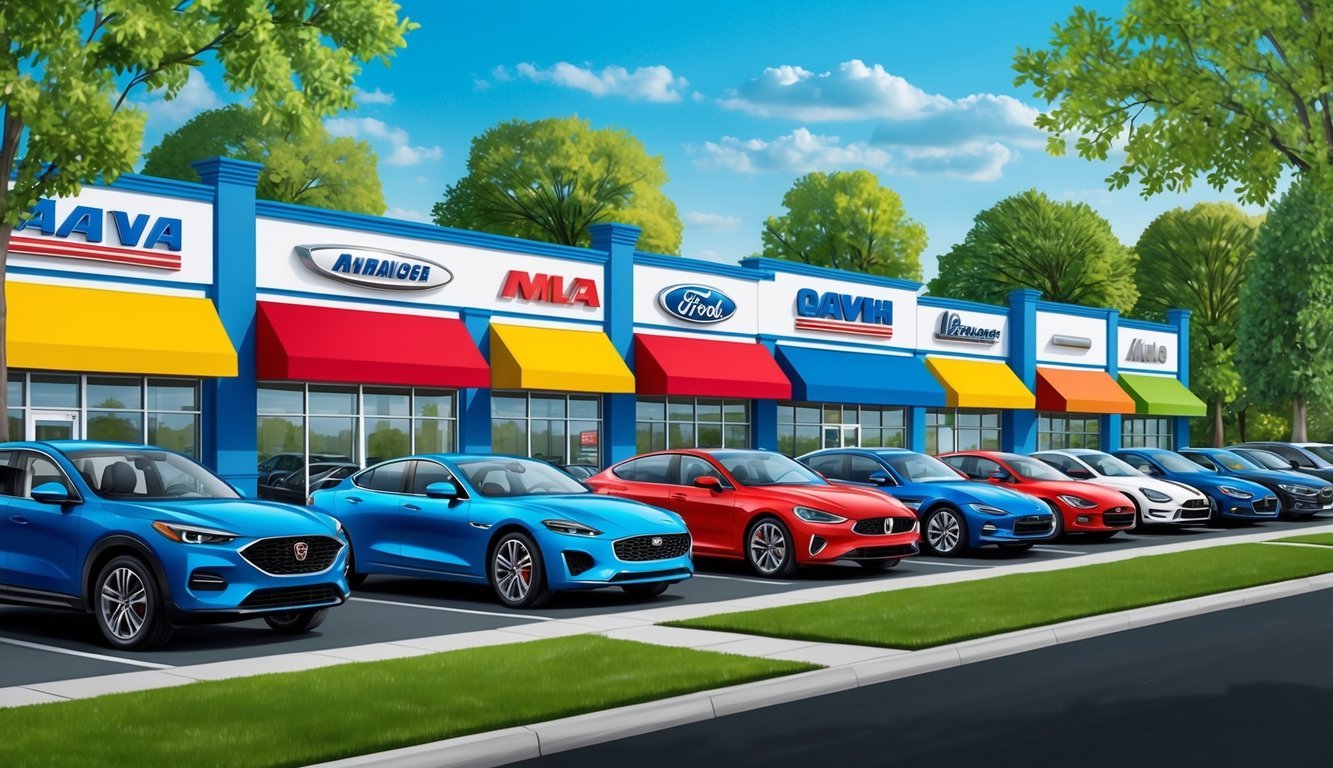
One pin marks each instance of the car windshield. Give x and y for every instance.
(1174, 462)
(1324, 452)
(517, 477)
(1266, 459)
(1109, 466)
(147, 475)
(920, 468)
(1233, 461)
(757, 468)
(1034, 469)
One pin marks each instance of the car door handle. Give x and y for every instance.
(20, 519)
(412, 507)
(678, 497)
(353, 500)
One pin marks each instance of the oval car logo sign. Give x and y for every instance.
(374, 267)
(696, 303)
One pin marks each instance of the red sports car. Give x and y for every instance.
(766, 508)
(1080, 507)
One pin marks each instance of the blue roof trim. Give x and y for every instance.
(797, 268)
(940, 302)
(831, 376)
(1078, 310)
(699, 265)
(352, 302)
(419, 231)
(152, 185)
(1145, 325)
(117, 279)
(852, 345)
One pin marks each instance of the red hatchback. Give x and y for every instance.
(1080, 507)
(766, 509)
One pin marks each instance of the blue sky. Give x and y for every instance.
(739, 98)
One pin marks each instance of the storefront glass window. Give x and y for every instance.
(118, 393)
(1146, 432)
(1060, 431)
(562, 429)
(805, 427)
(685, 422)
(960, 429)
(53, 391)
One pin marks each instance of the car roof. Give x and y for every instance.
(1145, 451)
(64, 446)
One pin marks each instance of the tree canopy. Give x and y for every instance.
(551, 179)
(1231, 91)
(1065, 250)
(846, 220)
(1196, 259)
(312, 168)
(1285, 348)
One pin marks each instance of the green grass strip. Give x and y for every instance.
(1322, 539)
(923, 617)
(325, 714)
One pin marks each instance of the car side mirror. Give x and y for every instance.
(881, 478)
(1295, 464)
(1000, 476)
(442, 490)
(51, 493)
(709, 482)
(1079, 474)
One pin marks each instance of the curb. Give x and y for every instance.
(531, 741)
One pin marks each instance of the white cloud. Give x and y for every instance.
(970, 162)
(373, 97)
(716, 221)
(396, 140)
(656, 83)
(196, 96)
(854, 92)
(798, 152)
(406, 215)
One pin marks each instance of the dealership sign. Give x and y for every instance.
(1141, 351)
(137, 239)
(374, 267)
(696, 303)
(550, 289)
(835, 312)
(952, 328)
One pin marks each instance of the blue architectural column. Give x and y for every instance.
(916, 429)
(764, 413)
(230, 440)
(1020, 427)
(1180, 318)
(474, 405)
(618, 411)
(1112, 424)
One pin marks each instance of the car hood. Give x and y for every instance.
(968, 492)
(1102, 495)
(608, 514)
(245, 517)
(1177, 491)
(1211, 481)
(852, 503)
(1277, 476)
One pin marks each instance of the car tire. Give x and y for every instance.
(1100, 535)
(1059, 529)
(1215, 519)
(645, 591)
(517, 571)
(879, 565)
(769, 548)
(128, 605)
(354, 579)
(944, 533)
(296, 622)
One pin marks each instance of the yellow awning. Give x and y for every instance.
(523, 357)
(980, 384)
(59, 328)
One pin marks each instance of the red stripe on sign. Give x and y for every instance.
(37, 246)
(835, 326)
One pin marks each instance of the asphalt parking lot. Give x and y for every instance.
(42, 646)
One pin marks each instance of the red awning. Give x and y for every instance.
(301, 343)
(676, 365)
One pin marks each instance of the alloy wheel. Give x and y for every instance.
(943, 532)
(513, 570)
(124, 603)
(768, 547)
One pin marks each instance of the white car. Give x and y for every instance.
(1156, 501)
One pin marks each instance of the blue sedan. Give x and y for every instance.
(521, 525)
(1230, 498)
(144, 539)
(1301, 495)
(956, 514)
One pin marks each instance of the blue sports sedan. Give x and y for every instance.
(1301, 495)
(144, 539)
(1230, 498)
(956, 514)
(521, 525)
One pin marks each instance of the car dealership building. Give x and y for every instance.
(195, 317)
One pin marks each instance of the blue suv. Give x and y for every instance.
(144, 539)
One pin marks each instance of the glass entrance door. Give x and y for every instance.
(53, 425)
(842, 436)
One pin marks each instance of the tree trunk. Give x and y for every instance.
(1298, 433)
(1219, 438)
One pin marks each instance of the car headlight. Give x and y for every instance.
(1236, 492)
(987, 509)
(188, 534)
(817, 515)
(1299, 490)
(1078, 502)
(1154, 496)
(570, 528)
(338, 529)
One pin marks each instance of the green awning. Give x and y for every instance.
(1161, 396)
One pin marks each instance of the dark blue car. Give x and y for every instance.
(956, 514)
(1230, 498)
(1301, 495)
(143, 539)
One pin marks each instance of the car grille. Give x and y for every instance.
(290, 597)
(640, 575)
(278, 557)
(1195, 509)
(637, 549)
(881, 553)
(1033, 524)
(1266, 504)
(1117, 518)
(1203, 503)
(883, 526)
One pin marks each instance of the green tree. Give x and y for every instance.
(1065, 250)
(1286, 321)
(68, 67)
(310, 168)
(846, 220)
(1232, 91)
(1196, 260)
(551, 179)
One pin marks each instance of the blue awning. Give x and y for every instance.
(828, 376)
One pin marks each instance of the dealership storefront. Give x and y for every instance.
(196, 317)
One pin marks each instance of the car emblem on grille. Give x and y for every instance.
(888, 525)
(300, 549)
(657, 541)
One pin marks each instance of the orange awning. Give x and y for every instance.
(1080, 391)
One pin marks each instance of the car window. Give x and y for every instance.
(512, 476)
(1138, 462)
(387, 478)
(11, 474)
(1265, 459)
(984, 468)
(1201, 460)
(428, 472)
(1062, 463)
(965, 464)
(649, 469)
(832, 467)
(692, 468)
(42, 470)
(860, 468)
(289, 462)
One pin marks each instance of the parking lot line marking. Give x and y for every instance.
(741, 578)
(84, 654)
(525, 617)
(1060, 551)
(946, 565)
